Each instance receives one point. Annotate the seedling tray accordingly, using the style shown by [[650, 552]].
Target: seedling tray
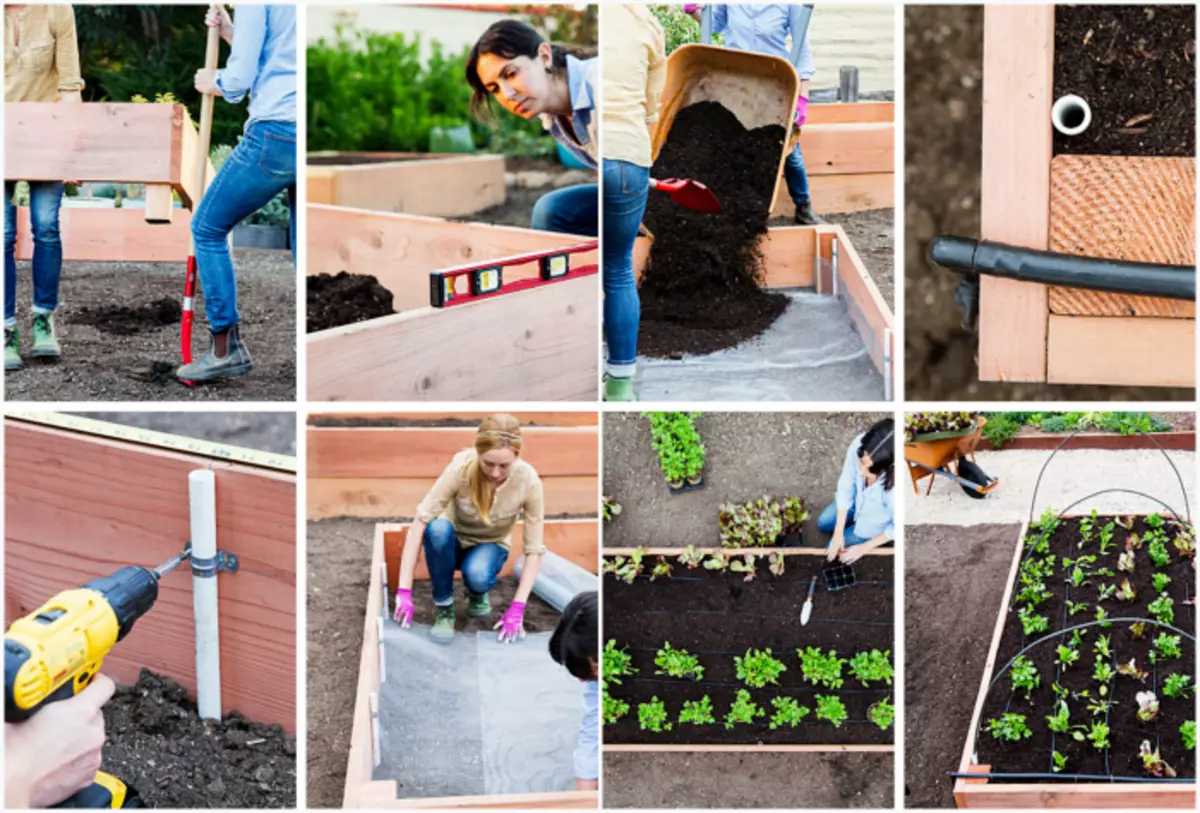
[[688, 486], [716, 616], [839, 577], [983, 754]]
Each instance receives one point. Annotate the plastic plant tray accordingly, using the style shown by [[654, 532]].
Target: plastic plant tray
[[839, 577]]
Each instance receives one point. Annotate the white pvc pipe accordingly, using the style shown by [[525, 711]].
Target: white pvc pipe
[[1071, 115], [202, 489]]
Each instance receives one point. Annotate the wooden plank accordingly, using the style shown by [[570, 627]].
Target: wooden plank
[[133, 502], [360, 762], [1081, 796], [610, 748], [1127, 350], [868, 311], [834, 194], [565, 800], [319, 182], [789, 253], [425, 451], [575, 539], [1018, 81], [557, 418], [1123, 208], [456, 186], [848, 149], [535, 345], [112, 235], [387, 498], [134, 143], [400, 250], [850, 113]]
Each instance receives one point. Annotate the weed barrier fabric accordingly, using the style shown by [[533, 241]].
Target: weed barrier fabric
[[475, 717]]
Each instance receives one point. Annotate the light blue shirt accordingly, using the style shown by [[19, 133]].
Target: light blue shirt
[[873, 505], [578, 133], [587, 750], [764, 30], [262, 62]]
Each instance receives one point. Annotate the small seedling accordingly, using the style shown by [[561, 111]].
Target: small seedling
[[830, 708], [719, 560], [677, 663], [1098, 735], [1103, 646], [1158, 553], [1162, 608], [1126, 592], [1067, 657], [872, 667], [1124, 522], [691, 558], [1087, 527], [1024, 676], [662, 570], [1078, 577], [1009, 727], [821, 669], [1107, 591], [616, 663], [1147, 706], [1103, 673], [1131, 670], [744, 710], [1177, 685], [787, 712], [1185, 543], [1034, 594], [1153, 761], [1167, 647], [1138, 630], [1032, 623], [1060, 721], [1077, 638], [776, 567], [697, 712], [613, 709], [1048, 522], [1106, 538], [652, 716], [1060, 762], [757, 668], [1161, 580], [1075, 607], [748, 565], [1098, 708], [1187, 733], [1133, 542], [1125, 562], [1100, 616], [611, 509], [882, 714], [632, 568]]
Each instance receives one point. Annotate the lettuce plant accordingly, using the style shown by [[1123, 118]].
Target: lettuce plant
[[743, 710], [652, 716], [697, 712], [1147, 706], [1177, 685], [1161, 580], [757, 668], [760, 522], [882, 714], [1162, 608], [616, 663], [678, 663], [1008, 727], [872, 667], [612, 709], [830, 708], [787, 712], [1131, 670], [1187, 733], [820, 668], [1024, 676], [1153, 762]]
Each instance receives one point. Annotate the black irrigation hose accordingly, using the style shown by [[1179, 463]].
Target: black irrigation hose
[[779, 689], [1084, 776], [872, 582], [795, 617]]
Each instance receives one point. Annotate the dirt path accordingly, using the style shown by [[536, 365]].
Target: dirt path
[[107, 349], [946, 566]]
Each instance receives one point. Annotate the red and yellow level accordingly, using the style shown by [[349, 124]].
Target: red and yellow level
[[469, 283]]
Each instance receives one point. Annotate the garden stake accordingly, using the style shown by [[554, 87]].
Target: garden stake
[[806, 610], [206, 115]]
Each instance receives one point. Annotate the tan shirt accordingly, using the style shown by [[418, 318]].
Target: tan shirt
[[518, 497], [41, 55], [635, 69]]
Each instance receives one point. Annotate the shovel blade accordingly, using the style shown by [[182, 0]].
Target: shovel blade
[[806, 613], [690, 194]]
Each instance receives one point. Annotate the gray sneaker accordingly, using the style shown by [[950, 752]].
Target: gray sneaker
[[210, 368], [45, 338]]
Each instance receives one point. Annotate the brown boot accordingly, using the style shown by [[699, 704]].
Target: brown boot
[[805, 216]]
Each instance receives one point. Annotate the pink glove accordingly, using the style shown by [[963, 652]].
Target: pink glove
[[801, 110], [404, 607], [688, 8], [511, 624]]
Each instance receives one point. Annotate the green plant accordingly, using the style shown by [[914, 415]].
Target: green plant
[[1034, 594], [1098, 735], [1060, 721], [882, 713], [626, 569], [679, 28], [743, 710], [652, 716], [610, 508], [1147, 706], [1125, 562], [1161, 580], [1187, 733], [1101, 614], [1131, 670], [1087, 527], [719, 560], [787, 712], [757, 668], [678, 663], [1153, 762], [1103, 646], [1133, 543], [830, 708], [1067, 656], [1162, 608], [760, 522], [1104, 672], [925, 423], [1177, 685], [1060, 762], [1185, 542], [613, 708], [1106, 592], [1074, 607], [1106, 538], [1031, 623], [1158, 553], [1126, 592], [872, 667], [1166, 647], [1009, 727], [697, 712], [691, 557], [1024, 676], [747, 564], [616, 663], [776, 567], [999, 430], [662, 570], [1048, 522], [821, 668], [1138, 629], [675, 437]]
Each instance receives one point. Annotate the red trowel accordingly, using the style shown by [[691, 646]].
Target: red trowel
[[691, 194]]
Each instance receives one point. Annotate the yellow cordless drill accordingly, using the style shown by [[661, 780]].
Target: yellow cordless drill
[[53, 653]]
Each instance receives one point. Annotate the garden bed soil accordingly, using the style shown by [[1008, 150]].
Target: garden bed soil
[[345, 298], [1136, 67], [701, 288], [1033, 755], [717, 616], [158, 745]]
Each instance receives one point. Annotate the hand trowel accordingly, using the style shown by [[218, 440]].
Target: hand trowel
[[806, 610]]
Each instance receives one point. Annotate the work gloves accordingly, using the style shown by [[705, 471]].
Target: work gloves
[[801, 110], [404, 607], [512, 623]]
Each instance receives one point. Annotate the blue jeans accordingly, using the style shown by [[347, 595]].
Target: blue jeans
[[625, 188], [45, 201], [572, 210], [828, 521], [261, 166], [796, 177], [480, 565]]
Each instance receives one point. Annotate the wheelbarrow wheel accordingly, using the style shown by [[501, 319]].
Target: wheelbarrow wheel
[[970, 471]]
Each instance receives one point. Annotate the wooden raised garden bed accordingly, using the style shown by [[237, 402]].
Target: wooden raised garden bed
[[1114, 777], [715, 616], [411, 183]]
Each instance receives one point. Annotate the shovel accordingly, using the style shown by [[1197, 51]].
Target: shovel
[[690, 194], [806, 610], [211, 53]]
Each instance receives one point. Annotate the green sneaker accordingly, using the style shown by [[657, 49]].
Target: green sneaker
[[12, 350], [618, 389], [443, 624], [479, 605], [45, 340]]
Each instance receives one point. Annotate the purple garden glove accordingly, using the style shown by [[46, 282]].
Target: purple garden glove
[[404, 607], [801, 110], [511, 624]]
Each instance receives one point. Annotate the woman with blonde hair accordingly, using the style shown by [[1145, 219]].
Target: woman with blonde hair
[[465, 524]]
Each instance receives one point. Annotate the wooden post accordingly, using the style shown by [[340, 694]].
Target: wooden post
[[160, 203]]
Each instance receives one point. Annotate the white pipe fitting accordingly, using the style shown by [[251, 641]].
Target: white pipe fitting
[[202, 491], [1071, 115]]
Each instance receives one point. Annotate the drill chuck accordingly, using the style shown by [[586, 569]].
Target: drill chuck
[[130, 592]]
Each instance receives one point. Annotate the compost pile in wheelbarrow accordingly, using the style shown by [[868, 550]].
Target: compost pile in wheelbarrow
[[700, 290]]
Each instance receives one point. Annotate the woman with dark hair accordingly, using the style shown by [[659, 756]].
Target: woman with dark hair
[[575, 646], [862, 516], [530, 77]]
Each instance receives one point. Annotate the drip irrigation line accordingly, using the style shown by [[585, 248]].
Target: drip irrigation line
[[795, 617], [1083, 776], [1058, 664], [777, 689], [1112, 699], [871, 582]]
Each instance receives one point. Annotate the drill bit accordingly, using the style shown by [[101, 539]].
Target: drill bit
[[169, 565]]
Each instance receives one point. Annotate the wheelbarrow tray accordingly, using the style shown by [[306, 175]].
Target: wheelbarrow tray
[[940, 450], [757, 88]]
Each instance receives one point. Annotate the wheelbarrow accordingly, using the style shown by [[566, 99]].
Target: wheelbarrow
[[951, 455]]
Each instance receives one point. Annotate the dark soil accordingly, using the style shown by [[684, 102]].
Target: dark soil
[[1034, 754], [120, 320], [943, 76], [1136, 67], [700, 291], [717, 616], [952, 576], [344, 299], [172, 758]]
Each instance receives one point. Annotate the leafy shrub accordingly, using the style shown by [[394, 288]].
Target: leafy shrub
[[830, 708], [743, 710], [757, 668], [1009, 727], [882, 714], [613, 708], [674, 436], [787, 712], [999, 430], [697, 712], [872, 667], [652, 716], [760, 522], [820, 668], [617, 663], [678, 663], [679, 28]]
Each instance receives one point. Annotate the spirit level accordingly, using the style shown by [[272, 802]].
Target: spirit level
[[468, 283]]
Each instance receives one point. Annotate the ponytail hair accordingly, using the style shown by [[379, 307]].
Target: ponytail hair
[[575, 643], [879, 442], [496, 431]]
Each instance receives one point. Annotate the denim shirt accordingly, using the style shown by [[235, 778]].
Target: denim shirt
[[587, 749], [578, 133], [262, 62], [763, 28], [873, 505]]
